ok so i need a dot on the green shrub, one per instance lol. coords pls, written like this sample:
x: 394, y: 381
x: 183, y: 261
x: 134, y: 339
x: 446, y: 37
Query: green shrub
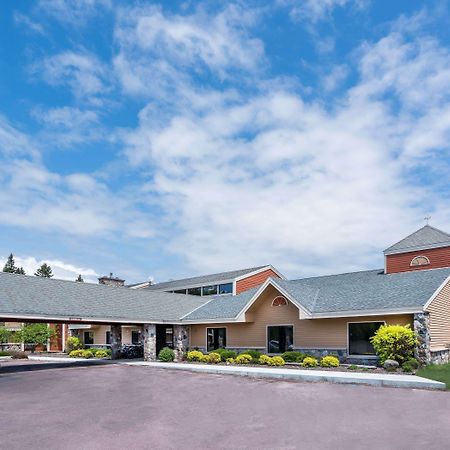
x: 230, y: 361
x: 309, y: 361
x: 76, y: 353
x: 329, y: 361
x: 276, y: 361
x: 87, y: 354
x: 293, y: 356
x: 264, y: 359
x: 395, y: 342
x: 101, y: 354
x: 255, y: 354
x: 166, y: 354
x: 4, y: 353
x: 194, y: 355
x: 243, y: 358
x: 410, y: 365
x: 206, y: 359
x: 225, y: 353
x: 352, y: 367
x: 73, y: 343
x: 214, y: 358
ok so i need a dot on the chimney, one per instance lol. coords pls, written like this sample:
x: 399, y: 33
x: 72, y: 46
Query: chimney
x: 111, y: 281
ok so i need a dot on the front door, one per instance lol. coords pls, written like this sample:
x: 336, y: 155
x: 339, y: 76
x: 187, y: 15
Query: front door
x: 164, y: 337
x: 280, y: 339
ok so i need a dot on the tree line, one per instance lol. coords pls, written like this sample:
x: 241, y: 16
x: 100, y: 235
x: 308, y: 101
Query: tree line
x: 44, y: 271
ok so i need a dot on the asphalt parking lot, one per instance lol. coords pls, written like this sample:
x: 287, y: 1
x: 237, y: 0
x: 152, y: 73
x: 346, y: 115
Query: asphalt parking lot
x: 115, y: 407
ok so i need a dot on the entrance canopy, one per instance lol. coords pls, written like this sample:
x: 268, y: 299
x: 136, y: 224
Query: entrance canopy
x: 27, y: 298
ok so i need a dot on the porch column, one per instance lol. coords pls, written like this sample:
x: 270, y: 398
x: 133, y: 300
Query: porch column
x: 422, y: 330
x: 181, y: 340
x: 149, y: 331
x: 116, y: 341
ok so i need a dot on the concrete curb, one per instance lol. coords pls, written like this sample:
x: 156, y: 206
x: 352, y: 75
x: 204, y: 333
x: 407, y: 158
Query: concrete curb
x: 66, y: 360
x: 400, y: 381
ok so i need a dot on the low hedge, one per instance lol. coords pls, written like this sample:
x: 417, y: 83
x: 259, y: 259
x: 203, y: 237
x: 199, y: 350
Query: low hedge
x: 410, y: 365
x: 195, y: 355
x: 309, y: 361
x: 243, y: 358
x: 166, y: 354
x: 225, y: 353
x: 293, y: 356
x: 214, y: 358
x: 276, y: 361
x: 81, y: 354
x: 329, y: 361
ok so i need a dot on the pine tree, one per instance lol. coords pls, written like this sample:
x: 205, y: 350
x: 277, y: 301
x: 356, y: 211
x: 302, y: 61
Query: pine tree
x: 20, y: 271
x: 80, y: 279
x: 10, y: 266
x: 44, y: 271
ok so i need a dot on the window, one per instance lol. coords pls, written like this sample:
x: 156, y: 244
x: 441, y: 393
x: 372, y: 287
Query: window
x: 180, y: 291
x: 359, y: 335
x: 108, y: 337
x: 419, y: 261
x: 216, y: 338
x: 195, y: 291
x: 210, y: 290
x: 279, y: 301
x: 280, y: 339
x: 135, y: 337
x: 88, y: 337
x: 226, y: 288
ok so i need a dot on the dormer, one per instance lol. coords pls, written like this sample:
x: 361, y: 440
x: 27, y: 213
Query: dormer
x: 426, y: 248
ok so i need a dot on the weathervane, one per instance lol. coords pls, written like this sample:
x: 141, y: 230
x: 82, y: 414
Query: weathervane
x: 427, y: 219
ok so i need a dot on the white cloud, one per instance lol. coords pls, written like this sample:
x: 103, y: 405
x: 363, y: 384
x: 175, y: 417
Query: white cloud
x: 61, y: 270
x: 311, y: 188
x: 83, y: 73
x: 73, y: 12
x: 21, y: 19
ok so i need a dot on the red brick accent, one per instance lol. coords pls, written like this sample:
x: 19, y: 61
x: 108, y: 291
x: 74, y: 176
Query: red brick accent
x: 56, y: 341
x: 254, y: 280
x: 439, y: 257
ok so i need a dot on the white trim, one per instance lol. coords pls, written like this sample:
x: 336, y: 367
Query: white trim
x: 279, y: 325
x: 256, y: 272
x: 363, y: 313
x: 435, y: 293
x: 419, y: 265
x: 279, y: 296
x: 348, y: 336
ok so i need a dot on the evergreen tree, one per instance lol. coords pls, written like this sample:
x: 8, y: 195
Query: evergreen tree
x: 44, y: 271
x: 20, y: 271
x: 10, y: 265
x: 80, y: 279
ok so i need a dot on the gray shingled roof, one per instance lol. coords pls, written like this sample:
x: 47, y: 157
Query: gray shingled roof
x: 422, y: 239
x: 202, y: 280
x: 356, y: 291
x: 26, y: 295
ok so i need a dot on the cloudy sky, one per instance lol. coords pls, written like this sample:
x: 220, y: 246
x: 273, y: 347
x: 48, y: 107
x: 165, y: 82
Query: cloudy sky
x: 160, y: 140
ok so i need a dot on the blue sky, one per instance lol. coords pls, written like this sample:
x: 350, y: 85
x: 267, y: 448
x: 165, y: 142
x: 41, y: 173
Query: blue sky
x: 160, y: 140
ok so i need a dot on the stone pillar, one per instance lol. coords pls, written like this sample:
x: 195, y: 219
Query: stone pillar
x: 180, y: 340
x: 149, y: 331
x: 116, y: 341
x: 422, y: 330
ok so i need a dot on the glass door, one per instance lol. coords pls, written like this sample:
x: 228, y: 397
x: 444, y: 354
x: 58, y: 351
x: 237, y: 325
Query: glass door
x: 280, y: 339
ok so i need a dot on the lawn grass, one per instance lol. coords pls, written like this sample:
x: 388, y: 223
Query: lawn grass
x: 436, y: 372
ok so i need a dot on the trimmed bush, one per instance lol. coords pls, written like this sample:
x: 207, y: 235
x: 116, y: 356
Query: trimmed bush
x: 87, y: 354
x: 329, y: 361
x: 101, y: 354
x: 264, y: 359
x: 214, y: 358
x: 293, y: 356
x: 73, y: 343
x: 395, y: 342
x: 410, y: 365
x: 225, y: 353
x: 206, y: 359
x: 309, y: 361
x: 255, y: 354
x: 230, y: 361
x: 18, y: 355
x: 244, y: 358
x: 276, y: 361
x: 76, y: 353
x: 166, y: 354
x: 195, y: 355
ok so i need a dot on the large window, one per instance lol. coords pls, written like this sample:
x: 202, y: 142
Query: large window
x: 216, y: 338
x: 226, y: 288
x: 135, y: 337
x: 210, y: 290
x: 108, y: 337
x: 280, y: 339
x: 359, y: 335
x: 88, y: 337
x: 195, y: 291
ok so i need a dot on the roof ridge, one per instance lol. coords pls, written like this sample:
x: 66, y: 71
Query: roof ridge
x: 337, y: 274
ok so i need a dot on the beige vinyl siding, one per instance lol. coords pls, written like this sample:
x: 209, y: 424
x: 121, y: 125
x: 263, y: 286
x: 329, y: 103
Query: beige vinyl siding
x: 100, y: 333
x: 311, y: 333
x: 439, y: 310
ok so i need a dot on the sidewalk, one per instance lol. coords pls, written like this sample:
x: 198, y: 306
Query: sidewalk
x: 372, y: 379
